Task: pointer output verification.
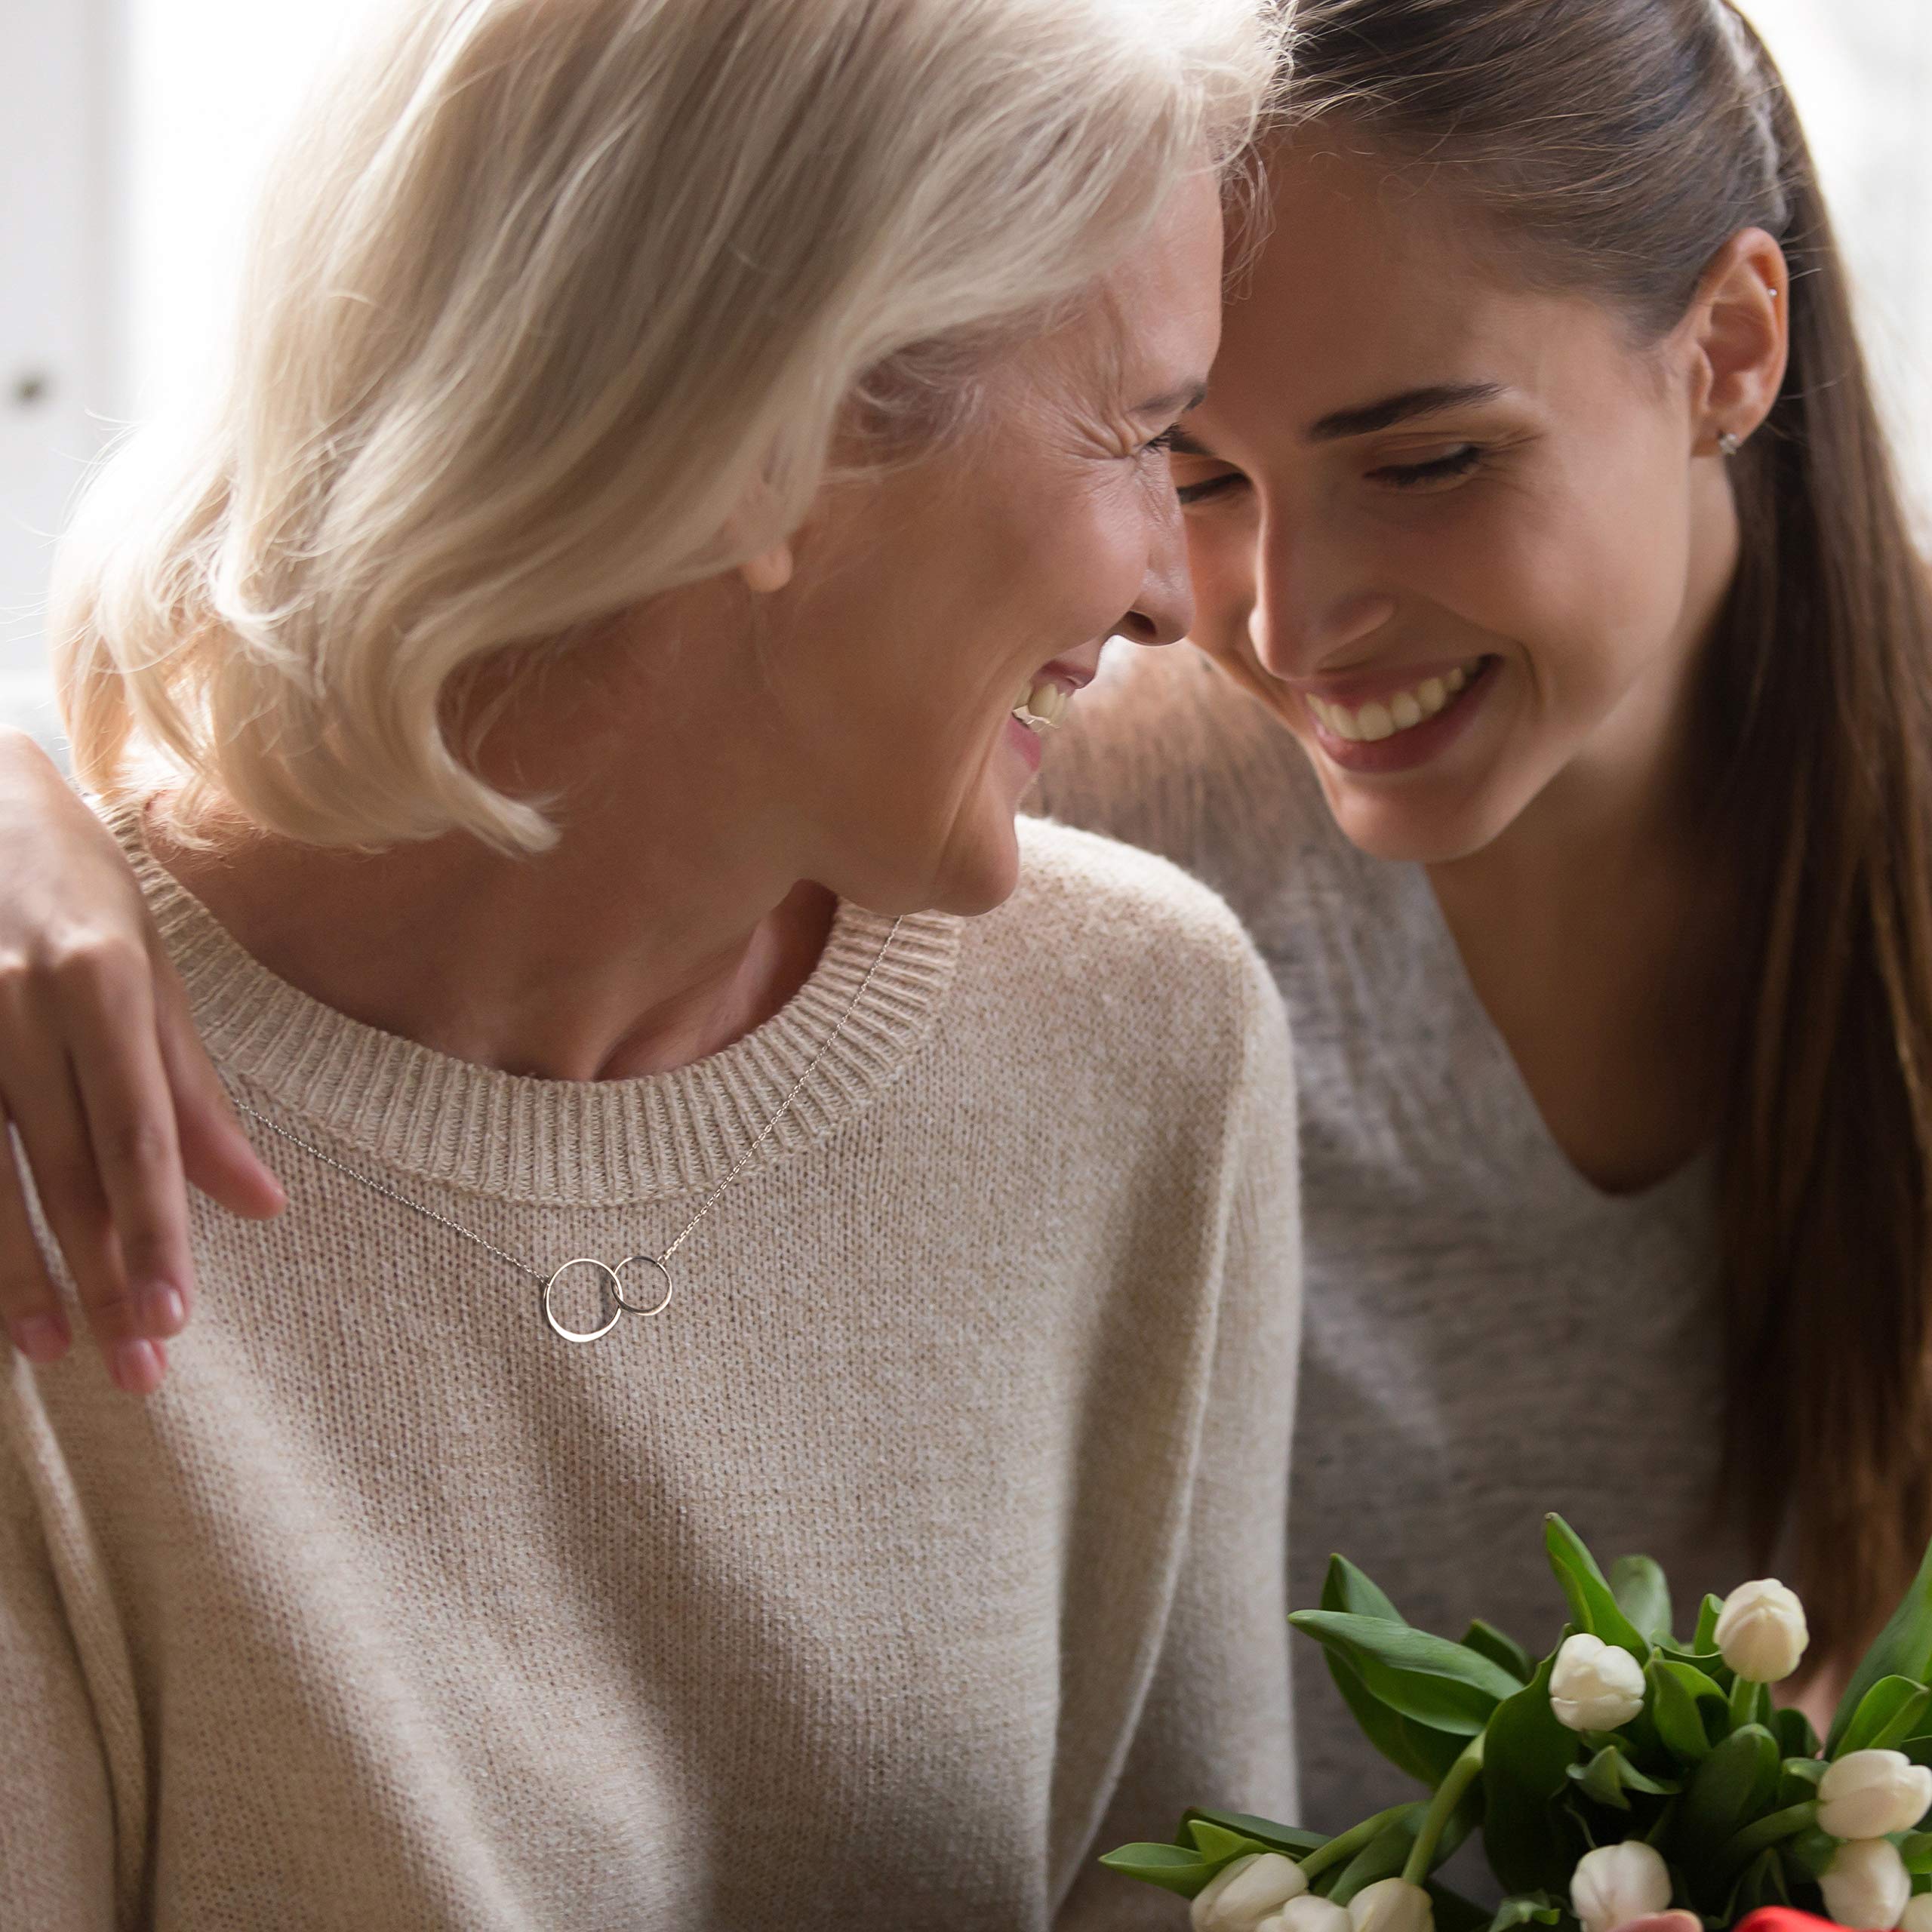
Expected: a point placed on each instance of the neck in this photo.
(595, 962)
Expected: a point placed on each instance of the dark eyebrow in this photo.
(1395, 409)
(1176, 402)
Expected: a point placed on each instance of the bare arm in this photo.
(112, 1101)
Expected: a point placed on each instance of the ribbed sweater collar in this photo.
(413, 1111)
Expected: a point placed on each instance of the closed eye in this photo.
(1209, 488)
(1459, 463)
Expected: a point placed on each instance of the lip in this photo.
(1071, 676)
(1406, 750)
(1026, 744)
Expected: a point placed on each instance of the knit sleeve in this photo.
(57, 1832)
(1216, 1729)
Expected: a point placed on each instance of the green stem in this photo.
(1734, 1857)
(1344, 1846)
(1463, 1773)
(1745, 1697)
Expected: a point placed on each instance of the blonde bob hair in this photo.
(555, 306)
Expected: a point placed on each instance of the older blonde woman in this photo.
(768, 1403)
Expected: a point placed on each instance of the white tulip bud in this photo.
(1617, 1883)
(1240, 1895)
(1762, 1632)
(1313, 1913)
(1866, 1886)
(1595, 1686)
(1871, 1794)
(1391, 1905)
(1917, 1914)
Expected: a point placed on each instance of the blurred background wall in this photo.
(131, 132)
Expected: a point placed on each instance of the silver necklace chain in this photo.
(615, 1299)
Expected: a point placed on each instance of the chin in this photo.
(1416, 831)
(980, 885)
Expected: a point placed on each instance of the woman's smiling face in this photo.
(1463, 537)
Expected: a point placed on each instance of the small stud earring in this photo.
(1729, 442)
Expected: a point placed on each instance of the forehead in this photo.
(1370, 282)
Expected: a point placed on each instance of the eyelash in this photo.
(1444, 469)
(1449, 468)
(1162, 445)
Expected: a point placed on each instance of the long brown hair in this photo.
(1616, 145)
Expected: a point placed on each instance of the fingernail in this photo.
(136, 1368)
(41, 1338)
(166, 1310)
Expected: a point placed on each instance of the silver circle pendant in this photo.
(614, 1290)
(663, 1276)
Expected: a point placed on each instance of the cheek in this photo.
(1221, 563)
(1582, 575)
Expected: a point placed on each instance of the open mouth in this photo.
(1400, 711)
(1043, 705)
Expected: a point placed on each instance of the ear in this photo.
(1740, 338)
(768, 572)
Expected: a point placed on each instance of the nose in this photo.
(1164, 612)
(1309, 608)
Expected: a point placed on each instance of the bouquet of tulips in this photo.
(1626, 1773)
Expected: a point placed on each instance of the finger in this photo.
(44, 1100)
(36, 1323)
(217, 1154)
(108, 1021)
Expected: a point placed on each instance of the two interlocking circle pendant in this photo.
(613, 1293)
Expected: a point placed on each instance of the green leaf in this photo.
(1382, 1857)
(1798, 1779)
(1286, 1839)
(1219, 1845)
(1902, 1649)
(1889, 1713)
(1811, 1853)
(1593, 1602)
(1796, 1739)
(1708, 1613)
(1610, 1778)
(1676, 1691)
(1731, 1787)
(1173, 1867)
(1345, 1587)
(1423, 1753)
(1526, 1765)
(1762, 1884)
(1500, 1649)
(1532, 1908)
(1916, 1848)
(1643, 1594)
(1437, 1683)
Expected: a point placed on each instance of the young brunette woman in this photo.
(1571, 771)
(1570, 756)
(768, 1403)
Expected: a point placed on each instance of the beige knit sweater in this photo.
(931, 1544)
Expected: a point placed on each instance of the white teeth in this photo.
(1043, 706)
(1402, 711)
